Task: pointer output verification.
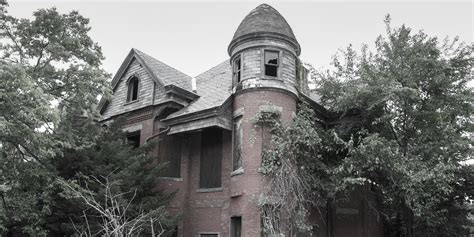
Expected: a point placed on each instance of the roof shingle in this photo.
(167, 74)
(213, 86)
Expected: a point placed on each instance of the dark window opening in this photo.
(208, 235)
(169, 147)
(133, 139)
(237, 140)
(271, 63)
(237, 70)
(236, 226)
(211, 159)
(175, 232)
(132, 93)
(169, 152)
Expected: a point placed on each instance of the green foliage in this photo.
(129, 171)
(51, 81)
(301, 170)
(404, 126)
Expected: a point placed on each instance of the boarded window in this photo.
(133, 139)
(169, 152)
(237, 143)
(237, 65)
(132, 93)
(211, 159)
(236, 226)
(169, 147)
(271, 63)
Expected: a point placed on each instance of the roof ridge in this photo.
(165, 64)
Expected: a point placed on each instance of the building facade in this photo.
(207, 135)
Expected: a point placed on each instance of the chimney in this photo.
(193, 84)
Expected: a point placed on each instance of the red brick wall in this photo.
(250, 183)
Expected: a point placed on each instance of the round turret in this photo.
(264, 52)
(264, 22)
(264, 58)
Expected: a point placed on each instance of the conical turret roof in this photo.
(264, 19)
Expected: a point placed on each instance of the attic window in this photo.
(271, 63)
(237, 65)
(132, 93)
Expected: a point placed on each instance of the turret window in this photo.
(271, 63)
(132, 93)
(237, 66)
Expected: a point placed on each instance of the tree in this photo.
(49, 136)
(109, 171)
(405, 115)
(49, 68)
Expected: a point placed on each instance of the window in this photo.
(169, 151)
(237, 143)
(237, 65)
(235, 226)
(132, 93)
(271, 63)
(211, 158)
(169, 146)
(175, 232)
(208, 235)
(133, 139)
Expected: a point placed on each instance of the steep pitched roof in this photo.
(160, 72)
(167, 74)
(213, 86)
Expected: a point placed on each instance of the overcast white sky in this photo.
(193, 36)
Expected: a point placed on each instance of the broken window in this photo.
(211, 159)
(133, 139)
(132, 93)
(236, 226)
(237, 65)
(237, 142)
(271, 63)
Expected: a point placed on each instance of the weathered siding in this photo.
(118, 104)
(288, 67)
(251, 63)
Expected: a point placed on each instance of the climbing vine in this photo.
(300, 176)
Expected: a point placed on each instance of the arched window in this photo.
(132, 93)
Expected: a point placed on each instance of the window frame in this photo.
(232, 226)
(277, 65)
(136, 133)
(218, 135)
(237, 73)
(131, 88)
(237, 119)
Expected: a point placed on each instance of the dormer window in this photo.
(237, 66)
(271, 63)
(132, 93)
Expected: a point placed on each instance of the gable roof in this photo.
(161, 73)
(213, 86)
(167, 74)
